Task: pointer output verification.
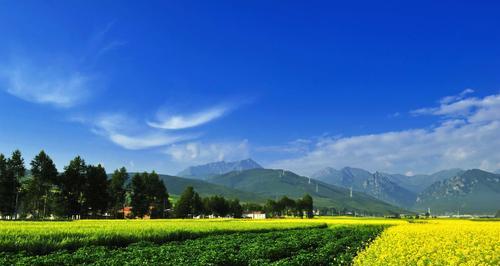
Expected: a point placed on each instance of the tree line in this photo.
(81, 191)
(285, 206)
(190, 204)
(86, 191)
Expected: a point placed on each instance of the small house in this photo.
(254, 215)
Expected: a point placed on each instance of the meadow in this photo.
(318, 241)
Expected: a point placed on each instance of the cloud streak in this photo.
(52, 84)
(467, 137)
(175, 122)
(117, 128)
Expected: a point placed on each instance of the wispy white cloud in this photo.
(174, 122)
(298, 146)
(56, 78)
(122, 130)
(467, 137)
(200, 152)
(458, 97)
(54, 84)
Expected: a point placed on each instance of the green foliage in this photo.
(8, 188)
(139, 201)
(95, 191)
(38, 189)
(185, 205)
(116, 190)
(336, 246)
(72, 187)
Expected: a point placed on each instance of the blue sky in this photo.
(392, 86)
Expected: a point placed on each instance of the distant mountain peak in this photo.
(473, 191)
(217, 168)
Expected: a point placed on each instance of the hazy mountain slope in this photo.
(176, 185)
(217, 168)
(419, 183)
(378, 185)
(473, 191)
(277, 183)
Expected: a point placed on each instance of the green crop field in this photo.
(43, 237)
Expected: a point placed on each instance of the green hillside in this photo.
(176, 185)
(273, 184)
(472, 192)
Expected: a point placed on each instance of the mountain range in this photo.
(473, 191)
(273, 184)
(378, 185)
(205, 171)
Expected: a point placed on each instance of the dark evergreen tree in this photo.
(7, 189)
(218, 206)
(139, 198)
(286, 205)
(38, 189)
(17, 169)
(307, 205)
(157, 195)
(272, 208)
(95, 191)
(184, 206)
(117, 191)
(72, 184)
(252, 207)
(235, 208)
(198, 208)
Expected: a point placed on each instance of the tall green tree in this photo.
(95, 191)
(307, 205)
(184, 206)
(157, 195)
(72, 184)
(272, 208)
(117, 191)
(198, 207)
(235, 208)
(44, 174)
(139, 199)
(7, 191)
(15, 165)
(286, 205)
(219, 206)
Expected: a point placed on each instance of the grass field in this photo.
(319, 241)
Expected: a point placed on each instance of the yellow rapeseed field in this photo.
(53, 235)
(437, 242)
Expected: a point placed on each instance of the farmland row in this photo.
(316, 246)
